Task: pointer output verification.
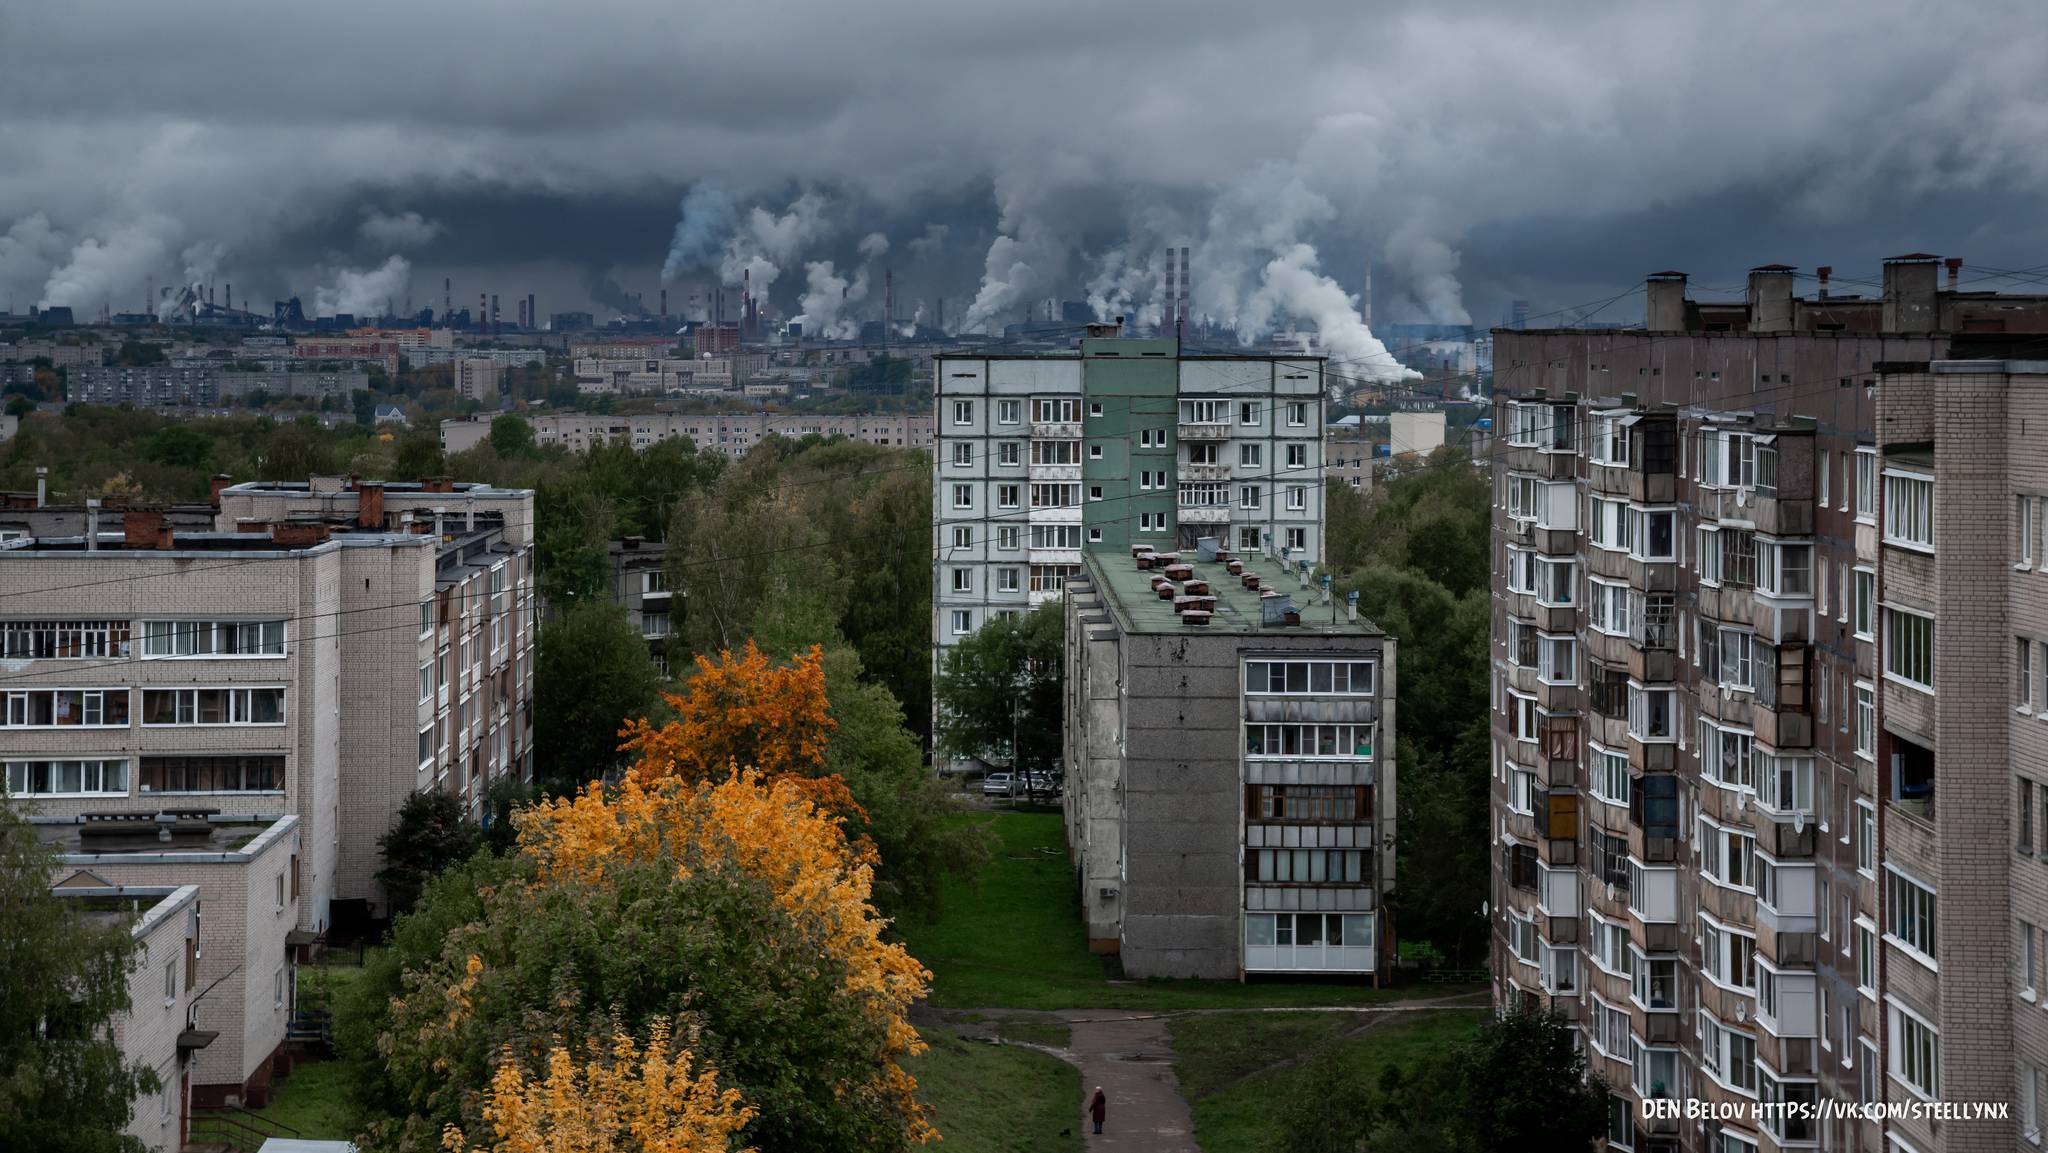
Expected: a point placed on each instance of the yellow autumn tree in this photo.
(774, 831)
(632, 1099)
(745, 711)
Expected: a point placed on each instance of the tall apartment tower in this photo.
(1771, 707)
(1121, 442)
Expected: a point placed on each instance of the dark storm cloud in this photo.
(1477, 151)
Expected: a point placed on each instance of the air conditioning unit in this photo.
(1525, 529)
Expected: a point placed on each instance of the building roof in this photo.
(1129, 593)
(195, 833)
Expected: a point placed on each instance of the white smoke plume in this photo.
(768, 241)
(403, 232)
(707, 217)
(873, 246)
(1292, 285)
(115, 268)
(364, 292)
(826, 299)
(932, 242)
(1131, 285)
(27, 251)
(1431, 267)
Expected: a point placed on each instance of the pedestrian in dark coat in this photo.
(1098, 1108)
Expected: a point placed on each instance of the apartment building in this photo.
(221, 981)
(152, 1034)
(1724, 543)
(639, 584)
(1120, 442)
(478, 379)
(1229, 742)
(730, 434)
(328, 648)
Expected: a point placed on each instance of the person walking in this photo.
(1098, 1108)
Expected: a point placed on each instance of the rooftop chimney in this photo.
(1909, 287)
(1954, 264)
(216, 486)
(1666, 308)
(139, 528)
(1770, 298)
(1823, 272)
(299, 533)
(42, 485)
(370, 505)
(92, 525)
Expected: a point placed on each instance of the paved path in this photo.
(1132, 1059)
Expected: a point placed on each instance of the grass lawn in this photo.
(998, 1098)
(1219, 1057)
(1016, 941)
(314, 1101)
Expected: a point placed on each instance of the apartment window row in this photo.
(217, 706)
(1307, 866)
(213, 638)
(1352, 930)
(1311, 802)
(1727, 458)
(1342, 678)
(1539, 425)
(1047, 578)
(31, 640)
(65, 708)
(1291, 740)
(213, 774)
(67, 778)
(1727, 556)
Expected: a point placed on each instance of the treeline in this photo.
(1415, 548)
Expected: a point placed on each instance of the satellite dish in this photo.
(1798, 822)
(1742, 1012)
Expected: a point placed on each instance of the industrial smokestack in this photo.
(888, 302)
(1169, 316)
(483, 311)
(447, 300)
(939, 315)
(1365, 298)
(1180, 311)
(42, 485)
(228, 291)
(532, 312)
(494, 314)
(664, 305)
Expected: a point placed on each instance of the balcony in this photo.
(1202, 472)
(1202, 431)
(1056, 430)
(1204, 514)
(1047, 472)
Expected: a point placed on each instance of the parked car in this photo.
(999, 784)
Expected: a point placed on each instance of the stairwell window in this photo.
(963, 412)
(1909, 648)
(1866, 485)
(1908, 509)
(2023, 530)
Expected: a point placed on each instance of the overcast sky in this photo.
(1030, 149)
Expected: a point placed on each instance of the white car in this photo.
(999, 784)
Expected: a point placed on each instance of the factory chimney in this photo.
(1365, 298)
(746, 303)
(483, 311)
(939, 316)
(664, 306)
(229, 291)
(1180, 312)
(888, 302)
(1167, 318)
(494, 314)
(532, 312)
(447, 300)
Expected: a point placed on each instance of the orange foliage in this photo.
(743, 710)
(771, 829)
(647, 1102)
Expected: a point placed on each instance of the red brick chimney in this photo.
(139, 528)
(370, 505)
(221, 480)
(299, 533)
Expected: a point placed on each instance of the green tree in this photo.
(592, 673)
(430, 833)
(1003, 684)
(1327, 1109)
(63, 1084)
(1522, 1084)
(180, 445)
(511, 436)
(419, 454)
(135, 354)
(19, 405)
(363, 403)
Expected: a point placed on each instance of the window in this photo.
(1056, 536)
(1652, 533)
(1610, 439)
(1908, 509)
(1247, 539)
(1652, 713)
(2023, 815)
(1656, 981)
(1006, 412)
(1008, 536)
(1610, 775)
(1204, 412)
(30, 640)
(1915, 1052)
(1866, 485)
(2023, 673)
(1727, 956)
(1909, 648)
(1048, 578)
(1728, 1056)
(1725, 755)
(963, 580)
(1309, 802)
(1522, 716)
(1909, 913)
(223, 774)
(66, 778)
(213, 638)
(1297, 414)
(963, 536)
(963, 412)
(1655, 1070)
(1726, 856)
(1248, 496)
(1309, 740)
(1297, 456)
(1866, 837)
(1306, 867)
(1827, 465)
(1737, 671)
(1095, 409)
(1342, 678)
(1007, 453)
(426, 746)
(1248, 412)
(64, 708)
(1006, 496)
(222, 706)
(1056, 495)
(1784, 784)
(1607, 607)
(2026, 960)
(1055, 452)
(1555, 581)
(1784, 569)
(1205, 495)
(1251, 455)
(2023, 530)
(963, 454)
(1297, 498)
(1607, 524)
(1865, 602)
(1560, 660)
(963, 496)
(2031, 1079)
